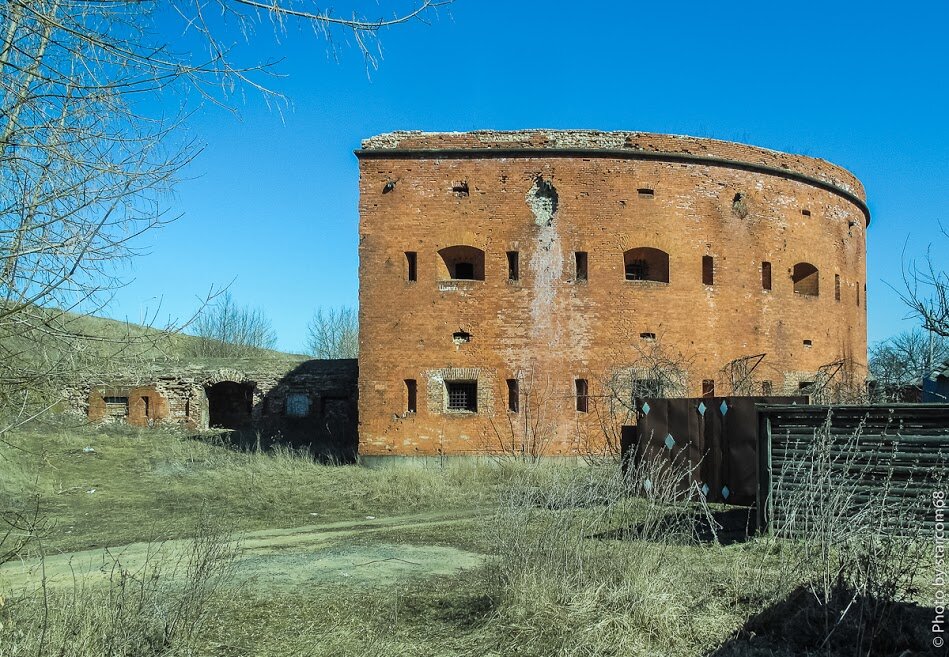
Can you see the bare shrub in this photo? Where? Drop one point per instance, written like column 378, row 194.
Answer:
column 333, row 333
column 230, row 330
column 528, row 432
column 850, row 538
column 158, row 607
column 585, row 559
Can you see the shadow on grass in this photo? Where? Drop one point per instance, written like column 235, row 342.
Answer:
column 250, row 439
column 726, row 527
column 848, row 625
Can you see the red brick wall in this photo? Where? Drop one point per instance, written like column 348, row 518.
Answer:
column 156, row 405
column 552, row 330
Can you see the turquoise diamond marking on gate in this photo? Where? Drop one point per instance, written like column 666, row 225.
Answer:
column 723, row 408
column 705, row 490
column 645, row 408
column 702, row 408
column 725, row 492
column 670, row 441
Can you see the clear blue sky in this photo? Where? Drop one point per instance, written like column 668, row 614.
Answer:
column 272, row 201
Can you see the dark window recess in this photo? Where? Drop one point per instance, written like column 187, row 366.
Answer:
column 460, row 337
column 708, row 388
column 806, row 279
column 411, row 396
column 765, row 275
column 583, row 396
column 513, row 400
column 836, row 287
column 858, row 294
column 766, row 388
column 648, row 336
column 462, row 263
column 806, row 212
column 513, row 266
column 297, row 404
column 808, row 343
column 708, row 270
column 464, row 271
column 460, row 188
column 411, row 265
column 806, row 386
column 580, row 258
column 645, row 263
column 462, row 395
column 637, row 270
column 645, row 192
column 145, row 404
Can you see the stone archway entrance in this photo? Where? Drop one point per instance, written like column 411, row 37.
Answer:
column 230, row 404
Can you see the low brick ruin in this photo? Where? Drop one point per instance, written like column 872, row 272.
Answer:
column 309, row 403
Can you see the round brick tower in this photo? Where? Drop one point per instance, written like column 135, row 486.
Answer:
column 517, row 289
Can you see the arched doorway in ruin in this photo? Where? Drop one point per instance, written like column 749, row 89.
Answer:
column 230, row 404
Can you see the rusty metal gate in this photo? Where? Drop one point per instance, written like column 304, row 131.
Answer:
column 715, row 437
column 900, row 451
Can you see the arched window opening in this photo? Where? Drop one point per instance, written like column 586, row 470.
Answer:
column 646, row 264
column 462, row 263
column 806, row 279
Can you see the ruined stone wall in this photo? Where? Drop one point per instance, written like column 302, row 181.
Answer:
column 547, row 195
column 308, row 403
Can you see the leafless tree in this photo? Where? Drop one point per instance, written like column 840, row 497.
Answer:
column 529, row 428
column 902, row 361
column 333, row 333
column 656, row 370
column 93, row 99
column 926, row 291
column 227, row 329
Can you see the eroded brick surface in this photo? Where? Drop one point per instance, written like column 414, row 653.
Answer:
column 424, row 193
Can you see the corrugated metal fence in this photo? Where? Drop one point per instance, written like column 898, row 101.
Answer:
column 850, row 456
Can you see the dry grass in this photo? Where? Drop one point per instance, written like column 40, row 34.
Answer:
column 577, row 560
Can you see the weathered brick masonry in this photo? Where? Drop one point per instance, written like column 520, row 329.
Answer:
column 504, row 314
column 304, row 403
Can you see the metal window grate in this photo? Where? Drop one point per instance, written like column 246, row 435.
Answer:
column 462, row 395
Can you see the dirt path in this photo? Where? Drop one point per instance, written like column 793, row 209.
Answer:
column 299, row 556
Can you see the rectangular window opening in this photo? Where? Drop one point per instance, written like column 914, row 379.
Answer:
column 513, row 399
column 116, row 406
column 646, row 192
column 708, row 270
column 808, row 343
column 147, row 409
column 513, row 266
column 648, row 336
column 411, row 260
column 297, row 404
column 708, row 388
column 462, row 395
column 411, row 396
column 836, row 287
column 765, row 275
column 581, row 265
column 766, row 388
column 806, row 212
column 583, row 396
